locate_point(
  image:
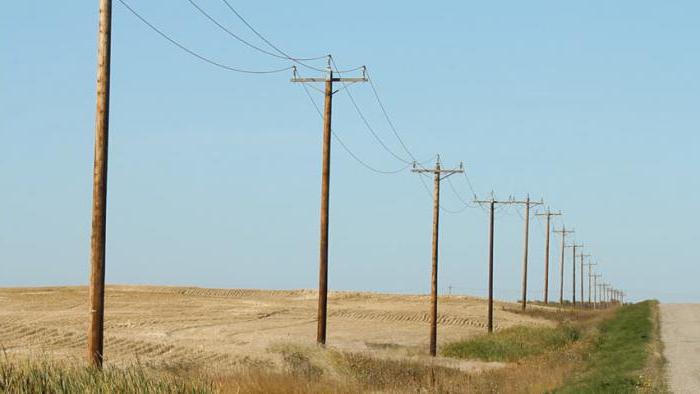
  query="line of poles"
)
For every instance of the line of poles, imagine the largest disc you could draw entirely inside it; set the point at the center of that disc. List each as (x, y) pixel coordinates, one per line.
(603, 293)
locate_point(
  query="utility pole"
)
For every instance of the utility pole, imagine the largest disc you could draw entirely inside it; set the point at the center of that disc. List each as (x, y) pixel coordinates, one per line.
(528, 203)
(574, 246)
(325, 184)
(95, 337)
(564, 232)
(492, 205)
(595, 289)
(605, 294)
(439, 174)
(582, 256)
(590, 277)
(549, 215)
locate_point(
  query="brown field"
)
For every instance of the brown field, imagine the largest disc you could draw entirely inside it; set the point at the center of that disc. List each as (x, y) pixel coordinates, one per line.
(226, 328)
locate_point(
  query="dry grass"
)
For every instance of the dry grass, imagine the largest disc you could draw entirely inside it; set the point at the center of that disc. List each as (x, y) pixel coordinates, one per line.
(655, 371)
(39, 375)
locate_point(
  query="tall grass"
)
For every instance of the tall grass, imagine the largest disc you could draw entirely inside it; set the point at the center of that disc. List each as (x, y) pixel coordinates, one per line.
(27, 376)
(513, 343)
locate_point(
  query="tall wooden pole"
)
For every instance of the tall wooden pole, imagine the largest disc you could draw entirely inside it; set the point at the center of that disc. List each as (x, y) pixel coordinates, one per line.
(546, 260)
(525, 252)
(561, 267)
(595, 291)
(325, 184)
(583, 300)
(434, 277)
(573, 281)
(99, 191)
(439, 174)
(491, 226)
(564, 232)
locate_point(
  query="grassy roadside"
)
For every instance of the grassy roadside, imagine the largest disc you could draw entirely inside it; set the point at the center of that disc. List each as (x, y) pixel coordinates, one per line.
(623, 357)
(613, 351)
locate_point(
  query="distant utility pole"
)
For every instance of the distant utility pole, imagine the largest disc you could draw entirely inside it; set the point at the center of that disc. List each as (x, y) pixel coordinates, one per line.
(582, 256)
(492, 205)
(605, 294)
(439, 174)
(564, 232)
(548, 214)
(95, 336)
(325, 183)
(527, 203)
(574, 246)
(590, 277)
(595, 289)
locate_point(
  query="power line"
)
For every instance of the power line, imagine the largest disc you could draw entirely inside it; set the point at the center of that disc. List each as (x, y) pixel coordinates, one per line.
(454, 191)
(296, 59)
(196, 54)
(250, 45)
(387, 117)
(345, 147)
(366, 122)
(427, 190)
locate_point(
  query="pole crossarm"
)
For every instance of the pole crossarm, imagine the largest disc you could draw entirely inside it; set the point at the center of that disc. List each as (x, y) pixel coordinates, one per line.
(527, 202)
(549, 213)
(330, 76)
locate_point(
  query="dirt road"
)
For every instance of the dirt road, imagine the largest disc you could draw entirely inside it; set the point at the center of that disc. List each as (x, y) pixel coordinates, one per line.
(680, 332)
(229, 326)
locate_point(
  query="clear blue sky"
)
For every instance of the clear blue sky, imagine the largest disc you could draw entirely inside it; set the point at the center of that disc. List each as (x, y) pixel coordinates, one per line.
(214, 175)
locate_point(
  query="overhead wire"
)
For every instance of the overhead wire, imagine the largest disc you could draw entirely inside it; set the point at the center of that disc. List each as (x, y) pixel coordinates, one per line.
(365, 121)
(194, 53)
(427, 190)
(273, 46)
(295, 59)
(387, 117)
(344, 146)
(459, 197)
(251, 45)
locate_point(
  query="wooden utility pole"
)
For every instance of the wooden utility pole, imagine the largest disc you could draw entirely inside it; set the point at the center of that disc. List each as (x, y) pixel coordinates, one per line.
(325, 185)
(595, 289)
(438, 175)
(564, 232)
(492, 207)
(605, 294)
(574, 246)
(582, 256)
(548, 214)
(527, 203)
(590, 277)
(95, 337)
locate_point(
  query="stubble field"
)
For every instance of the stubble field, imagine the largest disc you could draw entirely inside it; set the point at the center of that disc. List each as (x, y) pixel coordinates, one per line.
(226, 328)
